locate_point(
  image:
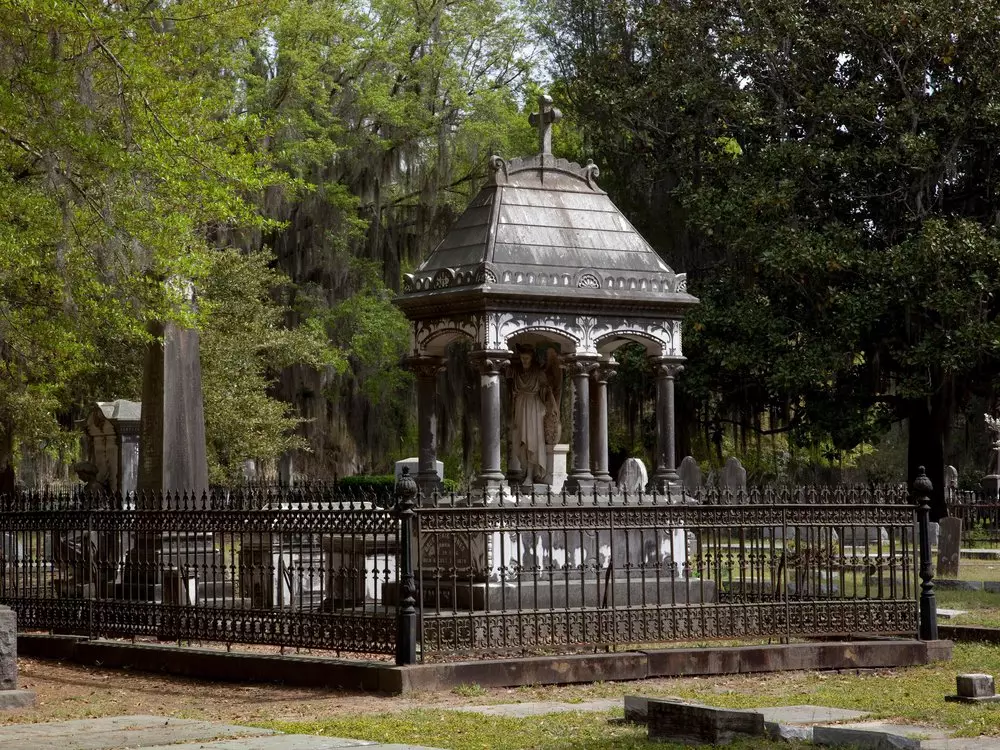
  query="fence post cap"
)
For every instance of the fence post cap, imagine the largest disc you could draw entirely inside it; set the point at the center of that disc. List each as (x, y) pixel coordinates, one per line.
(922, 485)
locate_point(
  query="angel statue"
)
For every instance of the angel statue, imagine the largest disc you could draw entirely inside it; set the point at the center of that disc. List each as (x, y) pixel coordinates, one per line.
(536, 413)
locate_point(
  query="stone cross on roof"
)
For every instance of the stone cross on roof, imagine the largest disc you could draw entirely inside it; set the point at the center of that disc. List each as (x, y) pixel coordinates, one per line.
(543, 119)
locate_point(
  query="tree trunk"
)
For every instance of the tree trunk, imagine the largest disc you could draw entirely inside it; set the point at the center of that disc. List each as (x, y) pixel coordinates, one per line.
(8, 480)
(925, 447)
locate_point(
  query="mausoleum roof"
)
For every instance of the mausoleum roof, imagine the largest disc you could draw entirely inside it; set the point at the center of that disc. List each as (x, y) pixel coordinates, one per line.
(541, 228)
(121, 410)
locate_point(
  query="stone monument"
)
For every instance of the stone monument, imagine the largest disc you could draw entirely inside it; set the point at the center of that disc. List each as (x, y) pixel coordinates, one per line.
(112, 430)
(690, 473)
(173, 461)
(949, 546)
(991, 482)
(10, 695)
(632, 476)
(950, 485)
(172, 452)
(734, 476)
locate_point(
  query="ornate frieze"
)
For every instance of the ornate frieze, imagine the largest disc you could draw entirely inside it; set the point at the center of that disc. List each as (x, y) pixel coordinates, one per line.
(579, 334)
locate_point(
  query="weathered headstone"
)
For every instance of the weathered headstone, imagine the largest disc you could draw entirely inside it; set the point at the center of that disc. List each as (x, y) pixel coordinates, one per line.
(950, 484)
(734, 476)
(10, 696)
(632, 477)
(690, 474)
(949, 546)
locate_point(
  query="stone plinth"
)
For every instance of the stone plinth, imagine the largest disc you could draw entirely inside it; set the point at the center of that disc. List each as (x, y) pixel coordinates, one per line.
(974, 688)
(10, 695)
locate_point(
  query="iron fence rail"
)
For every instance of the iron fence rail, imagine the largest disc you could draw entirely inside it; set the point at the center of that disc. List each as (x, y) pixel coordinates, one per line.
(475, 573)
(539, 572)
(980, 514)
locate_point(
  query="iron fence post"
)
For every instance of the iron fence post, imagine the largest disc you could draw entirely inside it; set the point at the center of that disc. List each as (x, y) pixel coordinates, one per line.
(406, 629)
(922, 488)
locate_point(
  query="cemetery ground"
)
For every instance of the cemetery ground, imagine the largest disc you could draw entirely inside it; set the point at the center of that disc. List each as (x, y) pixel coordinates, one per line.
(909, 695)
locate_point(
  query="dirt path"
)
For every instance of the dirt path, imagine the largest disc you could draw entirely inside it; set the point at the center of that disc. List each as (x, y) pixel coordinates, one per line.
(71, 691)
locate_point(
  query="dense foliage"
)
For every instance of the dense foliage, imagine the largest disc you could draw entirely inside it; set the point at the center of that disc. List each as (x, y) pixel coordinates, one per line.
(824, 171)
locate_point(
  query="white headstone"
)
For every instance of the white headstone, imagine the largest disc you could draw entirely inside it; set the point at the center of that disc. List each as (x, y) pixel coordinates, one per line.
(690, 474)
(413, 465)
(632, 476)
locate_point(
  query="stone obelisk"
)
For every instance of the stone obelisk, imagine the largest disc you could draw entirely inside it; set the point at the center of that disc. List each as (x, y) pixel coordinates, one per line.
(173, 465)
(172, 453)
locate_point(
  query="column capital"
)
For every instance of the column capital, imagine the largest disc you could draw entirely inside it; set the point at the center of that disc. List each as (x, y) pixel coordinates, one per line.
(490, 361)
(605, 370)
(580, 364)
(424, 365)
(668, 367)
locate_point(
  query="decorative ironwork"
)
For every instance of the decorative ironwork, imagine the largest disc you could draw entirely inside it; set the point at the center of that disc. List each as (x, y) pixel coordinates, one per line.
(311, 568)
(486, 571)
(522, 573)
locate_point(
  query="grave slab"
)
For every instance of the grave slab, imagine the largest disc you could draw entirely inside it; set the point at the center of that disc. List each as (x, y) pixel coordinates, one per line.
(119, 731)
(276, 742)
(876, 735)
(806, 714)
(677, 721)
(948, 614)
(962, 743)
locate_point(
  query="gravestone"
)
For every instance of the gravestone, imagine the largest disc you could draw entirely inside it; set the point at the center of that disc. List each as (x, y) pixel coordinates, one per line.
(632, 477)
(10, 696)
(112, 444)
(949, 546)
(690, 474)
(950, 484)
(734, 476)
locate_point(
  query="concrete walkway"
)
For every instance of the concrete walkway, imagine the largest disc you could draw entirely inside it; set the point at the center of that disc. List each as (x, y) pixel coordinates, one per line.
(164, 733)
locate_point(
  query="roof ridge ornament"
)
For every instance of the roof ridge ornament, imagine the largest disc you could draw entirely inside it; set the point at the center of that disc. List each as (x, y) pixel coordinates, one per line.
(543, 119)
(497, 165)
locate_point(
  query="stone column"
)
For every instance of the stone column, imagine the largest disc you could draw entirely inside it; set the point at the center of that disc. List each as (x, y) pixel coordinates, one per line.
(426, 368)
(667, 369)
(489, 364)
(580, 369)
(599, 423)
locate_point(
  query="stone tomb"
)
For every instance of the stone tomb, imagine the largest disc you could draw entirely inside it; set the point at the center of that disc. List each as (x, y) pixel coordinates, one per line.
(112, 444)
(317, 571)
(546, 569)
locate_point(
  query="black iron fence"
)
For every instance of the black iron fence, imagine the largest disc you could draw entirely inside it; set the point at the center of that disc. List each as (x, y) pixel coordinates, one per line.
(473, 573)
(980, 514)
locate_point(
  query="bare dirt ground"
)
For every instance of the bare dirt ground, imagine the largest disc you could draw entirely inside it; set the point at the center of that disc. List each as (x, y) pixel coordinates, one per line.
(71, 691)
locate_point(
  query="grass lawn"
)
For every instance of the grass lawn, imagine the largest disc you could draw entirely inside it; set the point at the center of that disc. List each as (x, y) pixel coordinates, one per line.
(914, 695)
(982, 607)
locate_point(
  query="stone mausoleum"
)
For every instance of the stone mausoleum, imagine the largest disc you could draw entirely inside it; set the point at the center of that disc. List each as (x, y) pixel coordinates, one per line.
(543, 274)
